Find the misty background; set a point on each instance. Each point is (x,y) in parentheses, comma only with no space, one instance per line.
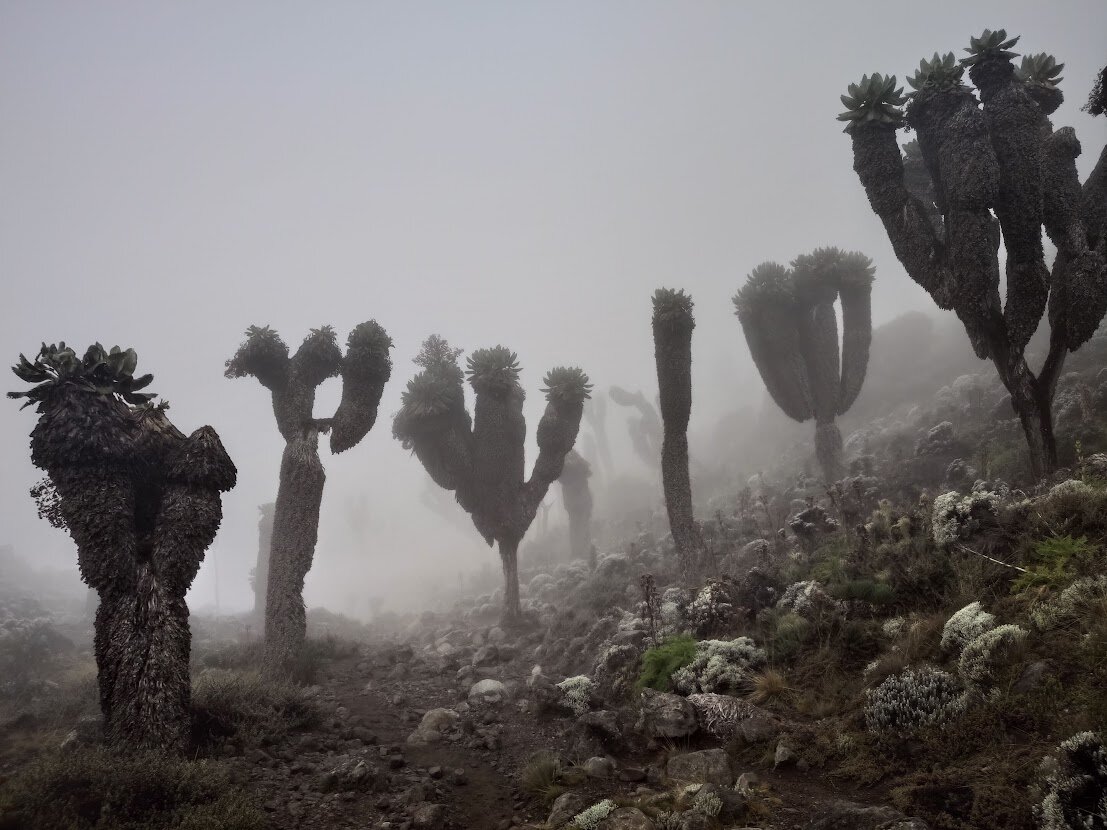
(501,172)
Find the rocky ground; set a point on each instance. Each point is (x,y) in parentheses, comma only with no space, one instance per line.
(417,741)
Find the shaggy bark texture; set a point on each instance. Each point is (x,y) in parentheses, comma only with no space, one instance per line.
(481,458)
(577,496)
(142,502)
(292,381)
(1000,154)
(672,343)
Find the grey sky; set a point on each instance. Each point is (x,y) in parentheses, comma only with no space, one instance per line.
(514,173)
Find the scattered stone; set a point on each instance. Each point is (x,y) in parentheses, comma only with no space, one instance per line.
(708,766)
(566,806)
(435,725)
(784,755)
(487,691)
(430,817)
(598,767)
(746,782)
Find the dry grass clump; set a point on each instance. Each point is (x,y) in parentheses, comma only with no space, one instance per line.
(93,788)
(541,775)
(246,706)
(770,686)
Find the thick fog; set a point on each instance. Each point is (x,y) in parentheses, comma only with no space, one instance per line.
(495,173)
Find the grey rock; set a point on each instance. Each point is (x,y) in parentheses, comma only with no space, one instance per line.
(566,806)
(784,755)
(486,656)
(430,817)
(708,766)
(598,767)
(435,725)
(487,691)
(664,715)
(627,818)
(848,815)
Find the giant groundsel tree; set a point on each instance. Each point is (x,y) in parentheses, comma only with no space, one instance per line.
(790,324)
(990,168)
(673,323)
(480,457)
(292,381)
(142,501)
(576,495)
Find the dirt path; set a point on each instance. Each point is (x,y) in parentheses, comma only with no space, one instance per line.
(478,781)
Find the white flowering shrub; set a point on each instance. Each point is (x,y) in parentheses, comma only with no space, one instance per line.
(576,691)
(984,653)
(957,517)
(719,666)
(1072,488)
(589,819)
(966,625)
(708,804)
(913,700)
(1076,794)
(712,609)
(1075,601)
(811,601)
(894,628)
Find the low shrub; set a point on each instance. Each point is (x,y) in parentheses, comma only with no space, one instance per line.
(659,664)
(246,706)
(93,788)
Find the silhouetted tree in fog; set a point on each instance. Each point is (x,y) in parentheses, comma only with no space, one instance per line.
(789,321)
(261,570)
(577,496)
(142,501)
(481,457)
(645,428)
(977,155)
(292,380)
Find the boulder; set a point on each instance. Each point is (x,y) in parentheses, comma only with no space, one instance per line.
(566,806)
(664,715)
(434,726)
(487,691)
(728,717)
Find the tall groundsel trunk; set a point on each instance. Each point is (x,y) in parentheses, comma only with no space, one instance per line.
(672,339)
(295,532)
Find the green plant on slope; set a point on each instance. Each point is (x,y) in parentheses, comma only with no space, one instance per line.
(983,159)
(142,502)
(791,328)
(1056,562)
(480,457)
(660,663)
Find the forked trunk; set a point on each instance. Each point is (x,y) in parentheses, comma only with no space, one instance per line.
(295,532)
(1036,418)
